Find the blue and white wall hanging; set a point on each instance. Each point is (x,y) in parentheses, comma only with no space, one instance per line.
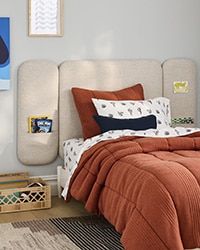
(4,53)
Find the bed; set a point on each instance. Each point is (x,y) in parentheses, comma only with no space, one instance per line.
(145,183)
(147,187)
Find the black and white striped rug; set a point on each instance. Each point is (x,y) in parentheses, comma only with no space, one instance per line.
(85,233)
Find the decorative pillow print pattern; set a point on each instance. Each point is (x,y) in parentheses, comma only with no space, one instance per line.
(160,107)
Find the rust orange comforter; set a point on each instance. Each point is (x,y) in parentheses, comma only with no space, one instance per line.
(148,188)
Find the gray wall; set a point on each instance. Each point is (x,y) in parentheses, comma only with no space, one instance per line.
(96,29)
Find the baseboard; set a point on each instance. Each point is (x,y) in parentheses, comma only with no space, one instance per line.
(51,180)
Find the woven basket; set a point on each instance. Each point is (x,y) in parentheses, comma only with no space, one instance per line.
(15,196)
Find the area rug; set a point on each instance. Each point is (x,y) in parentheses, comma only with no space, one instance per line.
(85,233)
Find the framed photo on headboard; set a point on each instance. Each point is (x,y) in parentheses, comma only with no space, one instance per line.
(46,17)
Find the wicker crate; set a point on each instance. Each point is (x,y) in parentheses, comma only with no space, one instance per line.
(19,197)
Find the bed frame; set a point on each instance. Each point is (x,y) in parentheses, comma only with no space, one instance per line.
(101,75)
(157,78)
(44,88)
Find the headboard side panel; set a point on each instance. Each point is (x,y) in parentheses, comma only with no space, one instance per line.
(179,85)
(37,95)
(101,75)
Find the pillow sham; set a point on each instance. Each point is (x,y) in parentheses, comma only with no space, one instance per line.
(160,107)
(86,109)
(143,123)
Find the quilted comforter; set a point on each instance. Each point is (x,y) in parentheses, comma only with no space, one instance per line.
(148,188)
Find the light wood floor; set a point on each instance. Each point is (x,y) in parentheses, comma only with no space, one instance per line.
(59,209)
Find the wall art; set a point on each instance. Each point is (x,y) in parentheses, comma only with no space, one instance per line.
(46,17)
(4,53)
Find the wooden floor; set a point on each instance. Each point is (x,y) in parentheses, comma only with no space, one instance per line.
(59,209)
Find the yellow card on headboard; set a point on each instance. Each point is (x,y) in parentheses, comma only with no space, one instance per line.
(181,87)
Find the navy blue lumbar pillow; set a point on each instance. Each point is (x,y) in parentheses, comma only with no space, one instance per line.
(142,123)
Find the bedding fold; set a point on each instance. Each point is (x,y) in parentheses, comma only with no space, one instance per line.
(148,188)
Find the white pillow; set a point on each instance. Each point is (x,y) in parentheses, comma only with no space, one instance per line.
(160,107)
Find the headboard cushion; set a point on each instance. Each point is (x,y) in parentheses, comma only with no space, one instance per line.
(37,95)
(105,75)
(181,72)
(86,109)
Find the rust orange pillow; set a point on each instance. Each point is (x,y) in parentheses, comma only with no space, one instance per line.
(86,109)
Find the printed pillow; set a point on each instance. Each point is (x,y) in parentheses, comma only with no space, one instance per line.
(160,107)
(86,109)
(143,123)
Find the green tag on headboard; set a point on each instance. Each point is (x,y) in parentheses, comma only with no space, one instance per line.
(182,120)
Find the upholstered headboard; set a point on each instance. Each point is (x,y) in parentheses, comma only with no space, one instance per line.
(37,95)
(101,75)
(157,79)
(181,72)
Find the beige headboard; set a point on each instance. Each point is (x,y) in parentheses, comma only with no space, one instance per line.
(43,85)
(37,95)
(183,99)
(101,75)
